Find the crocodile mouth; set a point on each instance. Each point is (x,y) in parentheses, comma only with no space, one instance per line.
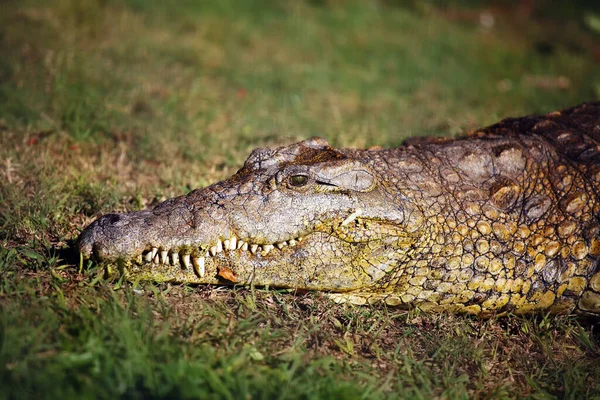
(193,255)
(327,257)
(198,256)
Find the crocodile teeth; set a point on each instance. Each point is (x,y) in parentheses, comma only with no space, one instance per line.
(232,243)
(186,260)
(173,257)
(164,257)
(267,248)
(199,266)
(352,217)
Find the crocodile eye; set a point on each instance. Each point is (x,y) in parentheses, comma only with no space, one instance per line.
(298,180)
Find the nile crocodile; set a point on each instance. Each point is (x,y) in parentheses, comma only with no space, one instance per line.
(503,220)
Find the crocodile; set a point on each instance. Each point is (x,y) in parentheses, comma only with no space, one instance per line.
(505,219)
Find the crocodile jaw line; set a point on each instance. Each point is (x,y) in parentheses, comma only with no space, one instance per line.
(188,257)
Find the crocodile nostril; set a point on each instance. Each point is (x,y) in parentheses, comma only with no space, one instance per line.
(112,218)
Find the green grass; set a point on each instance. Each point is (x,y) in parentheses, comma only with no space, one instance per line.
(110,105)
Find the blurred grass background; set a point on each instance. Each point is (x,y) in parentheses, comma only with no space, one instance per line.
(113,105)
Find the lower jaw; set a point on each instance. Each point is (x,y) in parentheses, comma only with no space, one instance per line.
(320,262)
(228,267)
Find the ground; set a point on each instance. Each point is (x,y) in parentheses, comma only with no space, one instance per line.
(110,105)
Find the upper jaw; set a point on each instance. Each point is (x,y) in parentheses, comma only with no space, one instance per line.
(120,239)
(143,237)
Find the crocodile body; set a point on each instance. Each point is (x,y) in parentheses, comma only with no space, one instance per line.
(503,220)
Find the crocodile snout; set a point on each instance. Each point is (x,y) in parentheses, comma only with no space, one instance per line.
(114,236)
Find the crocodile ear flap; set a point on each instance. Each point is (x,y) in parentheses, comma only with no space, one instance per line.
(355,177)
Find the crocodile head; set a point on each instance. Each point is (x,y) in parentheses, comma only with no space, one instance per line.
(305,216)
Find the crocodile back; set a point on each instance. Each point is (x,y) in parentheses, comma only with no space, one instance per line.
(573,174)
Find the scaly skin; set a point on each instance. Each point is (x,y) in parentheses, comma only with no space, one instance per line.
(506,219)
